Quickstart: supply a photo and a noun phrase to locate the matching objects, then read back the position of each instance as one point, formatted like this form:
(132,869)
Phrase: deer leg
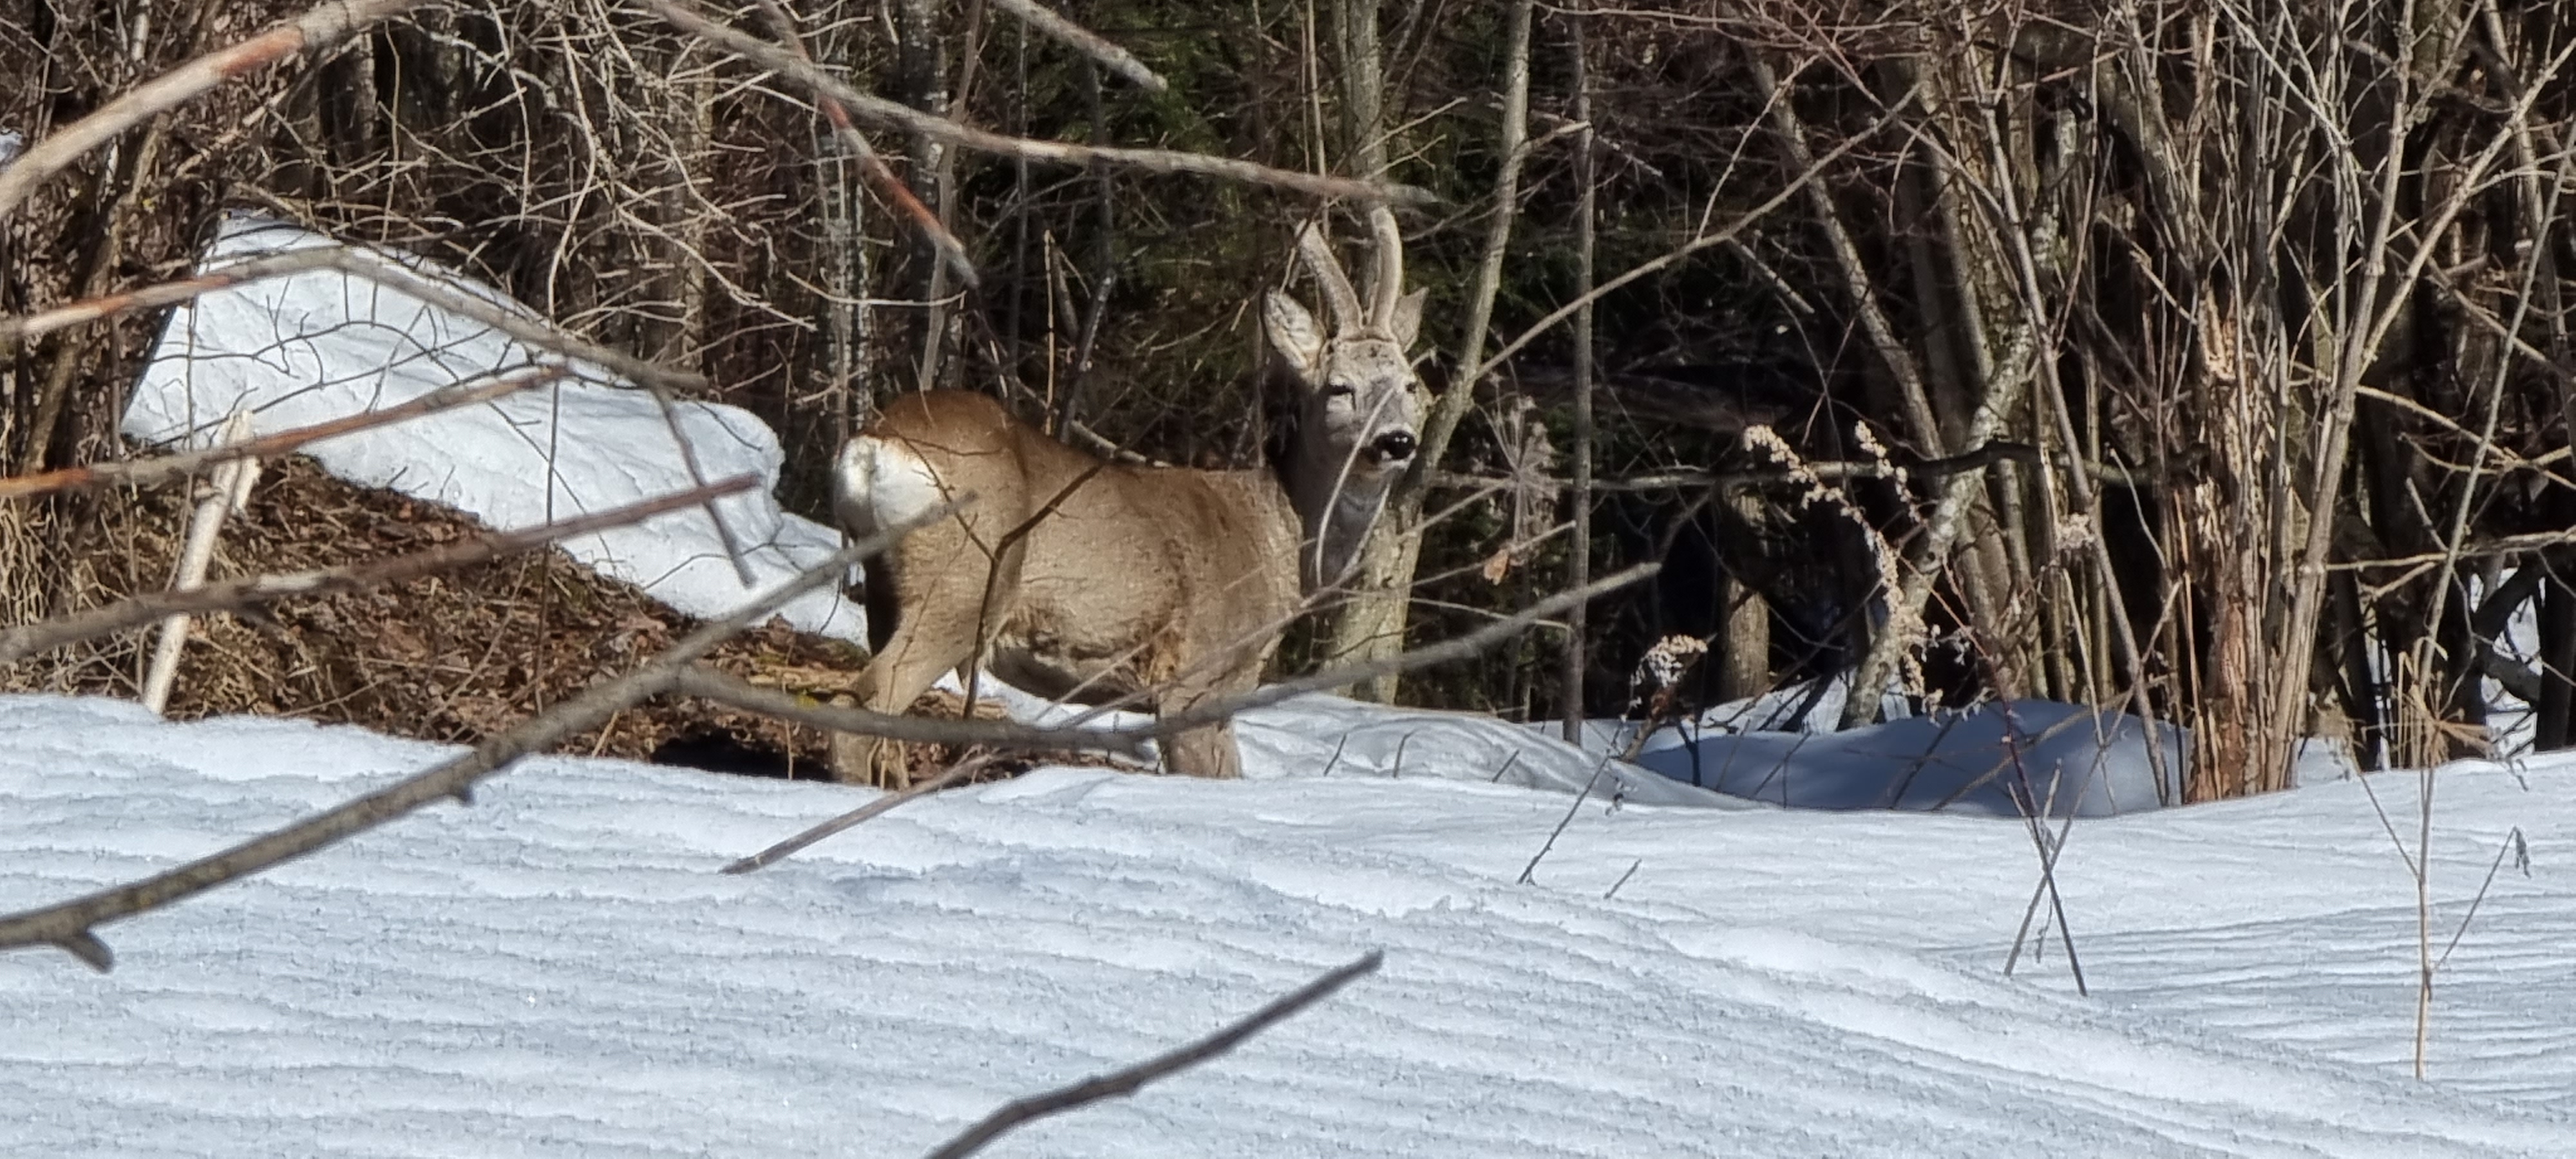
(905,669)
(1209,751)
(935,633)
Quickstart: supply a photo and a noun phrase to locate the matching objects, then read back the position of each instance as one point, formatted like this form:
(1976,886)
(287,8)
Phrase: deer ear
(1406,325)
(1294,335)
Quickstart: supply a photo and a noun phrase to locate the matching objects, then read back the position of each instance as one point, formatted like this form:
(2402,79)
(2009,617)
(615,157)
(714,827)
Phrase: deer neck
(1336,506)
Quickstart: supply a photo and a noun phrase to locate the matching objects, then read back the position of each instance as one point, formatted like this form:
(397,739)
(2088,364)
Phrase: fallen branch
(225,494)
(72,925)
(956,772)
(166,468)
(27,640)
(1179,722)
(725,688)
(945,131)
(325,25)
(1527,871)
(1692,478)
(1130,1080)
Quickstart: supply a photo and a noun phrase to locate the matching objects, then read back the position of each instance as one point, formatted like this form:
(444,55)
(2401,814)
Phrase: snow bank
(321,345)
(559,970)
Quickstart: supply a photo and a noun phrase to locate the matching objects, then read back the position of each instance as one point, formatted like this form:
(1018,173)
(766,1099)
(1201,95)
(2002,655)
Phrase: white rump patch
(877,484)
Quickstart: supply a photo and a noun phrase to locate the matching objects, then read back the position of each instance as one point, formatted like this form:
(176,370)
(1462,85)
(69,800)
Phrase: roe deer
(1100,580)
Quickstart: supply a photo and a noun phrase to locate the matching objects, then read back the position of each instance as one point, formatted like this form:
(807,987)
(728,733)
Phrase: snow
(319,345)
(559,970)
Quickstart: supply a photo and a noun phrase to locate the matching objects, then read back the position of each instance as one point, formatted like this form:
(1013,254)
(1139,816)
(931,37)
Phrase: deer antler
(1390,268)
(1339,298)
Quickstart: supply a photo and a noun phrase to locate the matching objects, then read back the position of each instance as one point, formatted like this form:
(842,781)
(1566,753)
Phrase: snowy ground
(559,970)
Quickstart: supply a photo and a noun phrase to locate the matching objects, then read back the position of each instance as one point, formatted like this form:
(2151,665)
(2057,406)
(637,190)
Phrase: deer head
(1356,421)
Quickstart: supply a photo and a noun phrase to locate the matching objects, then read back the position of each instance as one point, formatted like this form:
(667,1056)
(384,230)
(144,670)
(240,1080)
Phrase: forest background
(2205,360)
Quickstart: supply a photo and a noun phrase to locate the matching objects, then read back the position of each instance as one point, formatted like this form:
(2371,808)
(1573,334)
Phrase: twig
(1623,879)
(1217,710)
(1458,648)
(1568,819)
(226,493)
(1742,222)
(72,925)
(945,131)
(725,537)
(21,642)
(956,771)
(2026,797)
(725,688)
(2512,843)
(325,25)
(889,188)
(1086,42)
(1400,743)
(164,468)
(382,269)
(1128,1081)
(153,297)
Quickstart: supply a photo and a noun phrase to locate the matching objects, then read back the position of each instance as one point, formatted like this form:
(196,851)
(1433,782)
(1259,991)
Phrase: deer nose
(1395,446)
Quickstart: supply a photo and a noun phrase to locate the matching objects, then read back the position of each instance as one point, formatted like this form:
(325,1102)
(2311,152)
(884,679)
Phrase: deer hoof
(867,760)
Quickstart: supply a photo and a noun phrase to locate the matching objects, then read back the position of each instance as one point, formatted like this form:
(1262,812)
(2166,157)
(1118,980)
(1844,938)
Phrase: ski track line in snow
(559,971)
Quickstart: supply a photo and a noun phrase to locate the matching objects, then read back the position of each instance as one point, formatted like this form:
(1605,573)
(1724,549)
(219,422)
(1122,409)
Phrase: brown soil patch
(455,657)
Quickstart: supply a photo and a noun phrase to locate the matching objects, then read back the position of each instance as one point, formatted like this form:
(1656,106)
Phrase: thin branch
(661,381)
(1993,451)
(1168,726)
(725,537)
(889,188)
(72,925)
(1568,819)
(1458,648)
(1130,1080)
(725,688)
(1083,40)
(27,640)
(945,131)
(225,494)
(43,322)
(165,468)
(325,25)
(383,270)
(956,771)
(1441,425)
(1744,221)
